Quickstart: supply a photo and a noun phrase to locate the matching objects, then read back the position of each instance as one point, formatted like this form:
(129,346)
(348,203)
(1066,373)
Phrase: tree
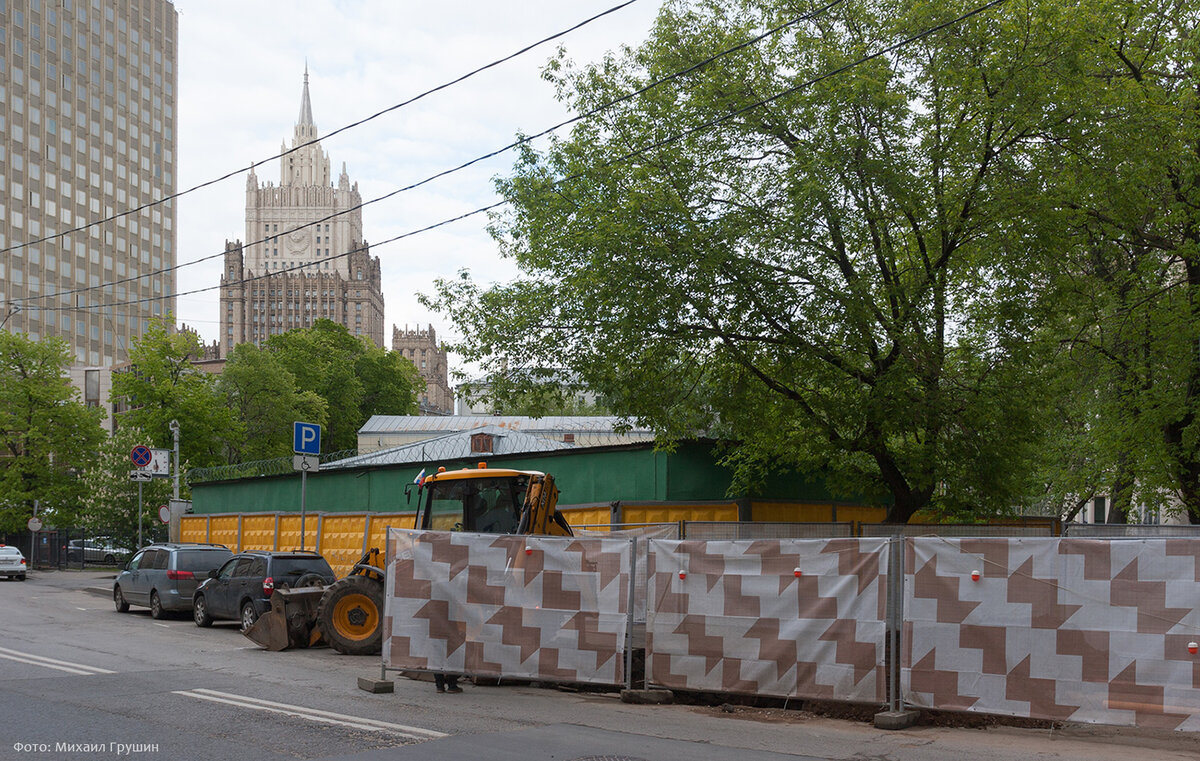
(111,504)
(47,435)
(162,385)
(263,395)
(354,378)
(835,273)
(1131,190)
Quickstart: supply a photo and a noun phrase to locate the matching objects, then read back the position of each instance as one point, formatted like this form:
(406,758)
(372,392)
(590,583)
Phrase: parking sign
(306,438)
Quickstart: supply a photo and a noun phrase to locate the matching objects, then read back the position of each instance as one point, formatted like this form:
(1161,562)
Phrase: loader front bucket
(291,622)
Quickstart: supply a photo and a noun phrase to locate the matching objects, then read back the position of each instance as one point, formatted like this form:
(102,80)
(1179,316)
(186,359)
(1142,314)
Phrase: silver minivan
(164,576)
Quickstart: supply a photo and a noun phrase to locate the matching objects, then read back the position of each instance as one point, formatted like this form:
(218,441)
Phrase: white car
(12,562)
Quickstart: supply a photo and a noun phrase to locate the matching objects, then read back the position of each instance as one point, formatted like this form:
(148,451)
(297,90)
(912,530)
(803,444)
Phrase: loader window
(490,505)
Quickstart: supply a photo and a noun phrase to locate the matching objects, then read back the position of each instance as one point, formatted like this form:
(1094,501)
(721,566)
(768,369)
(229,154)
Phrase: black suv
(241,589)
(164,576)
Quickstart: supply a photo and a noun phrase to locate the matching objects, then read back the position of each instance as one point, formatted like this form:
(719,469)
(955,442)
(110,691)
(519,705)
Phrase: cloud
(240,75)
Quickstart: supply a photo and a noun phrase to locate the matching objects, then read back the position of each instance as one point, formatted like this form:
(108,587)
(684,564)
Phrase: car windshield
(200,560)
(300,566)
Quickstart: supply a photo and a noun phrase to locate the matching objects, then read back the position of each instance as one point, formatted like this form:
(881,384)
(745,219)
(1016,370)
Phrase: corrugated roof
(420,423)
(451,446)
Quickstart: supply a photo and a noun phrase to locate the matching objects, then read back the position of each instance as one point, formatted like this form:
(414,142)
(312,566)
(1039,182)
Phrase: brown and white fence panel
(783,617)
(544,608)
(1060,629)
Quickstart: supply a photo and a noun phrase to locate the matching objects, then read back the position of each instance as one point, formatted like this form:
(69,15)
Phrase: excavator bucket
(291,622)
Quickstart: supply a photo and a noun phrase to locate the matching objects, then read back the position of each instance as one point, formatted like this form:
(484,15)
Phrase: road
(81,681)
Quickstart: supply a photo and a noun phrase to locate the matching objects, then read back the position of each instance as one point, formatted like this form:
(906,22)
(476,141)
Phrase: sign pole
(139,514)
(303,485)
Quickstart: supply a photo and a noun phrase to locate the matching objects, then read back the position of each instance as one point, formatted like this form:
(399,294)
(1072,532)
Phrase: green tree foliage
(263,395)
(1131,187)
(162,384)
(47,435)
(837,273)
(112,498)
(353,377)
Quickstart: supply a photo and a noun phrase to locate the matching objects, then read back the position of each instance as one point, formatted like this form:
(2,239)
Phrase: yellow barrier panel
(223,529)
(193,528)
(342,541)
(792,512)
(289,532)
(587,516)
(377,531)
(861,513)
(633,513)
(258,532)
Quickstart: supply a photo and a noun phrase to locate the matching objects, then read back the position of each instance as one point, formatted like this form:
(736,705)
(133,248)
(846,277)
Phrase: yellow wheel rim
(355,616)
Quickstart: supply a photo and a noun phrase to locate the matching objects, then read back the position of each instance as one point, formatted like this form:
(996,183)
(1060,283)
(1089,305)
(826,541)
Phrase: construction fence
(1060,629)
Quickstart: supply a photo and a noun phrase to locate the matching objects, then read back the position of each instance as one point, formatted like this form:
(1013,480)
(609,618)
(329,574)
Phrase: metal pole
(303,486)
(139,515)
(174,426)
(629,619)
(32,534)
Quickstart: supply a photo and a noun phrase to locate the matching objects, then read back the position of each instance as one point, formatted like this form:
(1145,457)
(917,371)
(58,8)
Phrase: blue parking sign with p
(306,438)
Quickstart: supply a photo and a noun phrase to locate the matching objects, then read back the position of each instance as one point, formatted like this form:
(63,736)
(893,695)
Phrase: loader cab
(482,500)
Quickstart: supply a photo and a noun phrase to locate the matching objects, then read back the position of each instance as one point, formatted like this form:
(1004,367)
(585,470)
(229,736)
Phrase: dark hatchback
(241,589)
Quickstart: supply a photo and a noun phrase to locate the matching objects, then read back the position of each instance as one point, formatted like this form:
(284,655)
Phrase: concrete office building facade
(88,118)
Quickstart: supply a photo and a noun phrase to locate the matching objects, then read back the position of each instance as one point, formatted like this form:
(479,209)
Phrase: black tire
(110,560)
(249,615)
(119,600)
(200,612)
(310,580)
(21,577)
(350,615)
(156,608)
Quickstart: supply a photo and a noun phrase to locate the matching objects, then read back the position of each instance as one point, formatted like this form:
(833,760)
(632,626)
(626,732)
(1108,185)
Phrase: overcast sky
(241,70)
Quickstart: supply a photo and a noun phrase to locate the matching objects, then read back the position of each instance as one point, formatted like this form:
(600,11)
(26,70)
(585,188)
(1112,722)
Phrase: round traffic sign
(141,456)
(34,524)
(164,514)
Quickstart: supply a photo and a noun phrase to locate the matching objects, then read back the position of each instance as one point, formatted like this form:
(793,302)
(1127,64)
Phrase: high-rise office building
(420,347)
(88,119)
(304,257)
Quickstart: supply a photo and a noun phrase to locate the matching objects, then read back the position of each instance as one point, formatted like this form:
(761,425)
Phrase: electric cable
(358,123)
(491,154)
(619,159)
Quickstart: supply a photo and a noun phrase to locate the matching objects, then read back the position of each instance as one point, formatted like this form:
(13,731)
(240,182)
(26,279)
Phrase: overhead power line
(491,154)
(359,123)
(619,159)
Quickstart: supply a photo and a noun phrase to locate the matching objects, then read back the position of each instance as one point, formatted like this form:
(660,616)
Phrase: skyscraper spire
(306,117)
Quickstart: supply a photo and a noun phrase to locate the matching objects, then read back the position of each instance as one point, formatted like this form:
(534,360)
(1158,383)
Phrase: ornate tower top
(308,165)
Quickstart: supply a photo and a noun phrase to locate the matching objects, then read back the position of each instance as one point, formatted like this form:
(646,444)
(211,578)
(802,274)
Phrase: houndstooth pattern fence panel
(1061,629)
(545,608)
(735,617)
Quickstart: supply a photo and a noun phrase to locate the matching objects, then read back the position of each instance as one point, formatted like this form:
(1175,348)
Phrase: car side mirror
(212,573)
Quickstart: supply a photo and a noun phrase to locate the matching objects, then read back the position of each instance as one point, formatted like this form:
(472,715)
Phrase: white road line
(51,663)
(325,717)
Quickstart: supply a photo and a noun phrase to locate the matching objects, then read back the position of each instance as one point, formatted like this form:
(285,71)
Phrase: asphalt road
(80,681)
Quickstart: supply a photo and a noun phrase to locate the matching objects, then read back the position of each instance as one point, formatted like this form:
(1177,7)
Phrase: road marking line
(326,717)
(51,663)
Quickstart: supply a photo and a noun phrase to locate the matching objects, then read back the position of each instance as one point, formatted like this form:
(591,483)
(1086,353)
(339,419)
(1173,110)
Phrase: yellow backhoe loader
(348,615)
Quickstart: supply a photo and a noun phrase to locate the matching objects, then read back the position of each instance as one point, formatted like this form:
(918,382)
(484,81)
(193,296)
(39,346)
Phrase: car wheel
(120,601)
(200,612)
(156,608)
(21,577)
(310,580)
(110,560)
(248,615)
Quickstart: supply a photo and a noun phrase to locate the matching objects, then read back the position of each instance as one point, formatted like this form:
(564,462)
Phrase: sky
(241,72)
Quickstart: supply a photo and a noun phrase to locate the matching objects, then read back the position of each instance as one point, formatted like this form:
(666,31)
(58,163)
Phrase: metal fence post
(629,613)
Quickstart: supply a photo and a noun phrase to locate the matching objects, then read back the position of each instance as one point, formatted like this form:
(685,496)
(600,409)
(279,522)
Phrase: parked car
(12,563)
(241,589)
(95,551)
(164,576)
